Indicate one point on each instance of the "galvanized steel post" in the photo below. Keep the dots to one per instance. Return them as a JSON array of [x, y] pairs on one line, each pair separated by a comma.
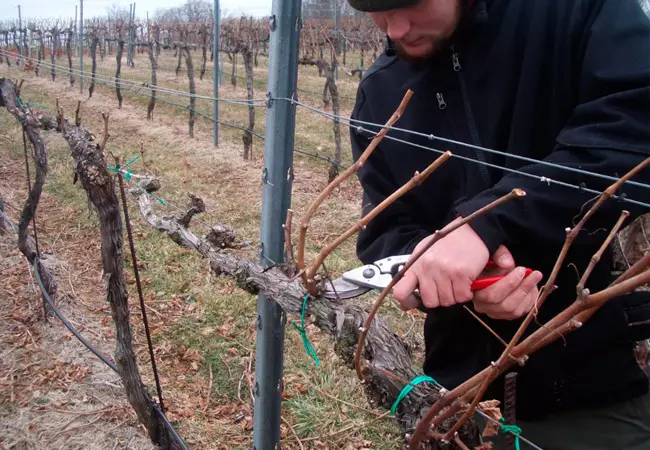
[[277, 177], [215, 72], [20, 33], [81, 46], [76, 51]]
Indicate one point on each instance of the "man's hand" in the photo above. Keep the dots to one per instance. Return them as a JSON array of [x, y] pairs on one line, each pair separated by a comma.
[[511, 297], [445, 272]]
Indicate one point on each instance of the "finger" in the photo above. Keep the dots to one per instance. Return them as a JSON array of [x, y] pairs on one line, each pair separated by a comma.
[[518, 303], [462, 289], [526, 305], [500, 290], [503, 258], [445, 289], [529, 302], [405, 286], [429, 293], [411, 302]]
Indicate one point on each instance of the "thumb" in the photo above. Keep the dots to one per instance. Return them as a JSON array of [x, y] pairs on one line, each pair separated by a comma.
[[404, 287], [503, 258]]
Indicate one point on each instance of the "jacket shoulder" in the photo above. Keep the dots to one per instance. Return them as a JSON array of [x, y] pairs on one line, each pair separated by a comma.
[[382, 63]]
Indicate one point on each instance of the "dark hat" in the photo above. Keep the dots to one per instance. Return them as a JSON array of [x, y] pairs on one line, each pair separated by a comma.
[[379, 5]]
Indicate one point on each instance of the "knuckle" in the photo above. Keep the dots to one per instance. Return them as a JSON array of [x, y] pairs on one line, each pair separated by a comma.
[[491, 297], [509, 307]]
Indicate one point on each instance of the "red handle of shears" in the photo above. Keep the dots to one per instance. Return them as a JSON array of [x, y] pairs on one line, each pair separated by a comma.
[[482, 283]]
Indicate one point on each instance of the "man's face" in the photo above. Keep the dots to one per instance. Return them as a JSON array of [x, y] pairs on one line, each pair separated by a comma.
[[419, 30]]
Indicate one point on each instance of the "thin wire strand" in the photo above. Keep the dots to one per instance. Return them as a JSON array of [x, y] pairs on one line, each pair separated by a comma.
[[464, 144], [141, 84], [97, 353], [136, 272], [210, 118]]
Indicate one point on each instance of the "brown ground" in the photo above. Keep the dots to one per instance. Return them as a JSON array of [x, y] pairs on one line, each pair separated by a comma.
[[55, 394]]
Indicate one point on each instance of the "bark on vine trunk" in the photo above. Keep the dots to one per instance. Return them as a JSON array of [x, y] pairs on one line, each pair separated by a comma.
[[180, 59], [204, 50], [68, 50], [154, 67], [93, 56], [233, 76], [25, 43], [17, 45], [118, 92], [31, 127], [248, 134], [204, 58], [385, 351], [41, 51], [55, 38], [99, 185], [6, 55], [330, 90], [190, 76]]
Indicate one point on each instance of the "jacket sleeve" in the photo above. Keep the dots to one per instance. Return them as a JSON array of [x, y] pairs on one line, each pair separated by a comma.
[[608, 133], [395, 231]]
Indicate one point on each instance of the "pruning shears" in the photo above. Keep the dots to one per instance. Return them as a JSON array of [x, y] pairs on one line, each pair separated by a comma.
[[378, 275]]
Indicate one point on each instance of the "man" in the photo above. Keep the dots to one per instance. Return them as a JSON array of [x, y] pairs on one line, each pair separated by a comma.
[[565, 82]]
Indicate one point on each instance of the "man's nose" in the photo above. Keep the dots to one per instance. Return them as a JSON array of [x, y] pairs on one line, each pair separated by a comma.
[[397, 26]]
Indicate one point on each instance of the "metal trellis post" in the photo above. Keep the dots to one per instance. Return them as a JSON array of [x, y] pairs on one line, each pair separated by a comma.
[[277, 178], [20, 27], [215, 72], [81, 46], [133, 36], [128, 48], [75, 30], [221, 66]]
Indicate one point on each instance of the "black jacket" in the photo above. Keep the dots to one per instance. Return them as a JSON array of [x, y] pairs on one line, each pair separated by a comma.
[[563, 81]]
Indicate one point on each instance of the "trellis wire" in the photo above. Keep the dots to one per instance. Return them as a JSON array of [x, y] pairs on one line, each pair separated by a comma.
[[464, 144], [350, 122], [142, 85], [64, 69], [543, 179]]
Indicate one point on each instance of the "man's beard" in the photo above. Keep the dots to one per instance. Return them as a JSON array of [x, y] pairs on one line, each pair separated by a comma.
[[438, 44]]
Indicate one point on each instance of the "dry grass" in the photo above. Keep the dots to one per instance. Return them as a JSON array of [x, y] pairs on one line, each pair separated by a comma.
[[201, 323]]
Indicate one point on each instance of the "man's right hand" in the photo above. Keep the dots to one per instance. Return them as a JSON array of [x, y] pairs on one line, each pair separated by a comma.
[[511, 297]]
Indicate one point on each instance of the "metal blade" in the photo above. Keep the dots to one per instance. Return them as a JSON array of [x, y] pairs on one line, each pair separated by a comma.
[[344, 289]]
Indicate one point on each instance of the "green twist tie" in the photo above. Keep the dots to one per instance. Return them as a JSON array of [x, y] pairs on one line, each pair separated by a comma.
[[127, 174], [408, 388], [162, 202], [301, 329], [514, 429], [131, 162]]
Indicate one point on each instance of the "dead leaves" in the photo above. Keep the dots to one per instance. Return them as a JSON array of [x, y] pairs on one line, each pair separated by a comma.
[[61, 372], [491, 408]]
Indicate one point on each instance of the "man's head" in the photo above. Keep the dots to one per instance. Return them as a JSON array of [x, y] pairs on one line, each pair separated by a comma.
[[418, 28]]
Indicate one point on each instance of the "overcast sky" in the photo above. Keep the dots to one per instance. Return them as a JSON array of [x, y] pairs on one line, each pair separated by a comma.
[[65, 8]]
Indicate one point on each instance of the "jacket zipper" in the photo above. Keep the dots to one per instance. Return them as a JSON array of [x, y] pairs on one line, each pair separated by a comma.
[[470, 117], [441, 101]]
